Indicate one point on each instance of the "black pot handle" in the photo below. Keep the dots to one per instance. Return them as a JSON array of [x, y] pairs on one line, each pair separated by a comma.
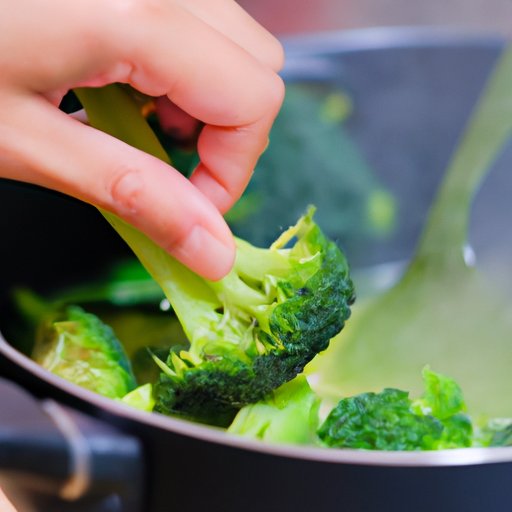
[[58, 459]]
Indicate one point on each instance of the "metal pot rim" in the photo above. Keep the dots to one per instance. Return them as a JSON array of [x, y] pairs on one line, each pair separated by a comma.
[[455, 457], [386, 38]]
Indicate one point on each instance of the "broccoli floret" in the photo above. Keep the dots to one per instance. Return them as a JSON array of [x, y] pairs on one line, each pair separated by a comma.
[[255, 329], [390, 420], [288, 415], [379, 421], [80, 348]]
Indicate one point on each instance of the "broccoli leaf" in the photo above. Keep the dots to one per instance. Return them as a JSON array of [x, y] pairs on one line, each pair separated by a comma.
[[443, 399]]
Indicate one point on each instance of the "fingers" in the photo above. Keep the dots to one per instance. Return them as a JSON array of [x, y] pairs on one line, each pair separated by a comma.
[[236, 96], [228, 156], [209, 76], [201, 70], [229, 18], [60, 153], [206, 56]]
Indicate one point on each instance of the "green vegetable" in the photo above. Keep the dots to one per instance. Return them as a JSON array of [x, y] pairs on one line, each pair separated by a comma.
[[501, 433], [287, 415], [379, 421], [80, 348], [255, 329], [311, 158], [443, 399], [140, 398], [443, 311], [127, 284], [390, 420]]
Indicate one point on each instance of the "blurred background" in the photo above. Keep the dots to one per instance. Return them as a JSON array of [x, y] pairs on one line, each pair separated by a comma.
[[285, 17]]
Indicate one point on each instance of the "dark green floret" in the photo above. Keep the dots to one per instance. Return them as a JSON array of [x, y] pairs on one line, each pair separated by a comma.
[[379, 421], [255, 329], [390, 420]]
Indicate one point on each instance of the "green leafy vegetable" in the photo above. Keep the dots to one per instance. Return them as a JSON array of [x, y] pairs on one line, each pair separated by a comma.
[[379, 421], [502, 435], [80, 348]]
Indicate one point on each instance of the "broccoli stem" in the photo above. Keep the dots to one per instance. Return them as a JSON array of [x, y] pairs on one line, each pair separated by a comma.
[[113, 110]]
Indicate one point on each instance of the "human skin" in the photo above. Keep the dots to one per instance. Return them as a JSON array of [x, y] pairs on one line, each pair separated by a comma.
[[5, 504], [208, 57]]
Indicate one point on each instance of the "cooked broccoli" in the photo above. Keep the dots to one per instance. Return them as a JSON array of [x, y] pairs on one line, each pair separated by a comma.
[[497, 432], [140, 398], [379, 421], [287, 415], [390, 420], [80, 348], [255, 329]]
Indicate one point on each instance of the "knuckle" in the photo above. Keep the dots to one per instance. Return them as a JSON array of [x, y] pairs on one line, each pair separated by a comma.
[[276, 55], [275, 93], [263, 102], [125, 190], [272, 95]]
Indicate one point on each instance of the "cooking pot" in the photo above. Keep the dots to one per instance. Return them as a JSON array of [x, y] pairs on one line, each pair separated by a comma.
[[65, 448]]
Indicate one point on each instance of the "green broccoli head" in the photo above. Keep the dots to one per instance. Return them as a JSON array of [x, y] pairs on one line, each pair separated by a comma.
[[253, 330], [390, 420], [79, 347], [379, 421]]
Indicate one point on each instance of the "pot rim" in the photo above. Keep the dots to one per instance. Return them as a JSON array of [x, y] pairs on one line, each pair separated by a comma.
[[452, 457], [386, 38]]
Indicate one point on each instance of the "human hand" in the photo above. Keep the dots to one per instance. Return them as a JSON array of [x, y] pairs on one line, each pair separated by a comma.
[[207, 56]]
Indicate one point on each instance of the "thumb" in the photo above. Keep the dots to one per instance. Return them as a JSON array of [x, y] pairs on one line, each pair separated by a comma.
[[44, 146]]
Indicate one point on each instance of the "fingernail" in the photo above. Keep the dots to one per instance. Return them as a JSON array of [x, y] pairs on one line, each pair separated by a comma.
[[205, 254]]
